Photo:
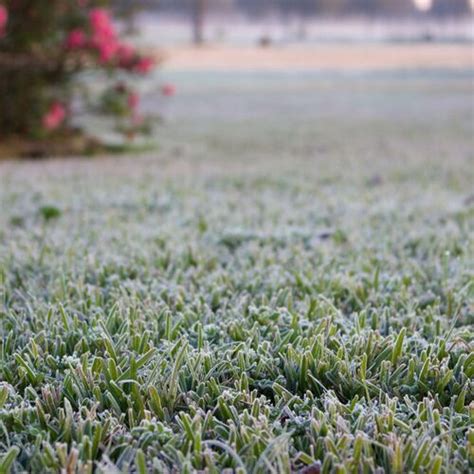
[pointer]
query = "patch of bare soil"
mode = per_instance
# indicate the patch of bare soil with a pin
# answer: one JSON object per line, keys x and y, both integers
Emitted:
{"x": 66, "y": 144}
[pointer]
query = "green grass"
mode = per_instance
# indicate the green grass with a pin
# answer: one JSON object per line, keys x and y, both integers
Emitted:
{"x": 270, "y": 292}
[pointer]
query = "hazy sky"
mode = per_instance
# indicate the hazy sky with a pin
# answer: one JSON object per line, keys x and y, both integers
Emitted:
{"x": 423, "y": 4}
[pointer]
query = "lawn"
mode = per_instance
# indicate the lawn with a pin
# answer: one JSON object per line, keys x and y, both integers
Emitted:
{"x": 285, "y": 285}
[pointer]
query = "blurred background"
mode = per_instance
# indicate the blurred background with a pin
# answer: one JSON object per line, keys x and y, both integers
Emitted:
{"x": 288, "y": 21}
{"x": 297, "y": 77}
{"x": 235, "y": 71}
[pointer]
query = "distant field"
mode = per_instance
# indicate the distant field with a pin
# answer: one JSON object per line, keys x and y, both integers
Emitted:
{"x": 339, "y": 57}
{"x": 286, "y": 285}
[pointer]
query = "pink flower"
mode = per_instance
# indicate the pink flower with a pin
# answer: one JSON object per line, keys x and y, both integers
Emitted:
{"x": 76, "y": 39}
{"x": 54, "y": 117}
{"x": 101, "y": 22}
{"x": 107, "y": 51}
{"x": 3, "y": 20}
{"x": 168, "y": 90}
{"x": 144, "y": 65}
{"x": 126, "y": 55}
{"x": 104, "y": 36}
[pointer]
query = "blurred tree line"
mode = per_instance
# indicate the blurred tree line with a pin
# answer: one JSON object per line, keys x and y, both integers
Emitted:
{"x": 198, "y": 9}
{"x": 258, "y": 8}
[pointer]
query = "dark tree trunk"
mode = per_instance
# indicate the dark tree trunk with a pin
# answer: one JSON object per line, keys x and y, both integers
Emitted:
{"x": 199, "y": 13}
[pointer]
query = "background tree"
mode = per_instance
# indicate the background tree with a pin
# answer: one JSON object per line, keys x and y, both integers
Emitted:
{"x": 450, "y": 7}
{"x": 260, "y": 8}
{"x": 198, "y": 14}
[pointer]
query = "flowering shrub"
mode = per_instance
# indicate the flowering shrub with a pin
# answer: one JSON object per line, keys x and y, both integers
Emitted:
{"x": 46, "y": 46}
{"x": 3, "y": 20}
